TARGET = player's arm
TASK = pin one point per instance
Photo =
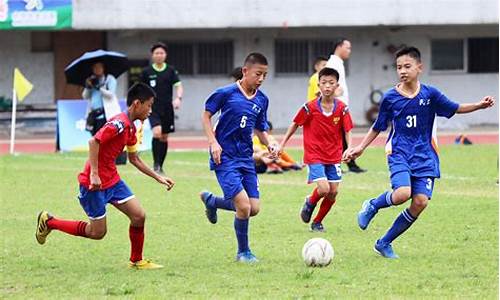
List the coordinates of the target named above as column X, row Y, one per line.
column 95, row 180
column 263, row 136
column 141, row 166
column 486, row 102
column 355, row 152
column 179, row 91
column 290, row 131
column 215, row 148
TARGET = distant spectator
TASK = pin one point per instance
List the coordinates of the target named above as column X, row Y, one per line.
column 313, row 89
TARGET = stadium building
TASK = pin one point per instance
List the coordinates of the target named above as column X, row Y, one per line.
column 207, row 39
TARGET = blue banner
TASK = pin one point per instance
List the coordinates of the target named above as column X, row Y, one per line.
column 71, row 132
column 35, row 14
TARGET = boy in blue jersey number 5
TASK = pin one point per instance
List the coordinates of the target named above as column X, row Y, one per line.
column 243, row 111
column 411, row 147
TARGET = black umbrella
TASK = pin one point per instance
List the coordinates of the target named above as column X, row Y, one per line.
column 80, row 69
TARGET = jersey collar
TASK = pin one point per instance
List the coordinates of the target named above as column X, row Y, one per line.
column 163, row 67
column 321, row 109
column 404, row 94
column 249, row 97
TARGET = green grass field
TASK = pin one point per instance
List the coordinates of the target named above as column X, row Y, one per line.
column 451, row 252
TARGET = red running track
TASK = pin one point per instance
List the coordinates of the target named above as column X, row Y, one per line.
column 200, row 143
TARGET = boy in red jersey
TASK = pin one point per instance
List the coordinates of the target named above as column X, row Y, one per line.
column 324, row 120
column 100, row 183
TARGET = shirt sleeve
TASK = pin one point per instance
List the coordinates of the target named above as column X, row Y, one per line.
column 261, row 122
column 347, row 124
column 109, row 131
column 144, row 78
column 384, row 116
column 134, row 146
column 443, row 106
column 302, row 115
column 215, row 101
column 175, row 78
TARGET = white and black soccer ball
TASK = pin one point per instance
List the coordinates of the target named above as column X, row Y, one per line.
column 317, row 252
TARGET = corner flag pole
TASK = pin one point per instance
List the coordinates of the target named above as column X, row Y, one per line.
column 13, row 122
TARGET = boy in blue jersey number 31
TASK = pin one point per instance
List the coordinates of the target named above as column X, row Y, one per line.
column 411, row 147
column 243, row 111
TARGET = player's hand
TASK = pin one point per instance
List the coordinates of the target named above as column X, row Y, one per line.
column 352, row 153
column 274, row 150
column 176, row 103
column 95, row 182
column 486, row 102
column 216, row 151
column 169, row 182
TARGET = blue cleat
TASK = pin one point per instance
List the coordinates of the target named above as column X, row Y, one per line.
column 366, row 214
column 211, row 212
column 385, row 250
column 307, row 210
column 317, row 227
column 246, row 257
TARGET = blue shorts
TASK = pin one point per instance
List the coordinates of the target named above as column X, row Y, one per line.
column 94, row 202
column 234, row 180
column 419, row 185
column 330, row 172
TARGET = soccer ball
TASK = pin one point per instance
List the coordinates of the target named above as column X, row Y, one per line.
column 317, row 252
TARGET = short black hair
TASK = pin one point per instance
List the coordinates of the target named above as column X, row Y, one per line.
column 159, row 45
column 339, row 42
column 412, row 52
column 255, row 58
column 328, row 72
column 140, row 91
column 236, row 73
column 320, row 58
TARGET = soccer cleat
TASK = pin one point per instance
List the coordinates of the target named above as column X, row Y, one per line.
column 307, row 210
column 366, row 214
column 209, row 211
column 385, row 250
column 246, row 257
column 317, row 227
column 42, row 229
column 144, row 264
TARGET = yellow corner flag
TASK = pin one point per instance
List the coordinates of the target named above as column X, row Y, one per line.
column 21, row 85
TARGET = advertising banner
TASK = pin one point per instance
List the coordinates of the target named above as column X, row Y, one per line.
column 35, row 14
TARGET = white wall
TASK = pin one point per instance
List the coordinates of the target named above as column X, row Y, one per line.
column 132, row 14
column 15, row 51
column 366, row 65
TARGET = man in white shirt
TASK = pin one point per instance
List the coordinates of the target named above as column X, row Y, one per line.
column 341, row 52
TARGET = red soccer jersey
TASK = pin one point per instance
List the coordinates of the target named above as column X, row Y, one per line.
column 118, row 132
column 323, row 132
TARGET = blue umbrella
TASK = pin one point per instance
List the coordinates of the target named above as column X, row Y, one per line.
column 80, row 69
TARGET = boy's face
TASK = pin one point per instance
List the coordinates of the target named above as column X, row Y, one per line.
column 142, row 110
column 319, row 65
column 327, row 85
column 254, row 75
column 159, row 55
column 408, row 68
column 98, row 69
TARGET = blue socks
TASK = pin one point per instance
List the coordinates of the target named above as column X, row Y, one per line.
column 383, row 200
column 401, row 224
column 241, row 229
column 220, row 202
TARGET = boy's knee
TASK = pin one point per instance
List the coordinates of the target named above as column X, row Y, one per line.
column 243, row 210
column 323, row 189
column 331, row 195
column 254, row 211
column 420, row 203
column 401, row 195
column 138, row 219
column 97, row 234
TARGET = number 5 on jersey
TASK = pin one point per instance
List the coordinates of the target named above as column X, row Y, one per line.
column 243, row 122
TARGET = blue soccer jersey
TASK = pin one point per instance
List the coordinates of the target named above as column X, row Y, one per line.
column 412, row 145
column 234, row 129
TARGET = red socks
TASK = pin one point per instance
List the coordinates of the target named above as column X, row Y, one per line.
column 326, row 204
column 315, row 197
column 136, row 235
column 70, row 227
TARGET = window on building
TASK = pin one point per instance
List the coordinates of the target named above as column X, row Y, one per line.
column 201, row 58
column 447, row 54
column 297, row 56
column 482, row 55
column 292, row 56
